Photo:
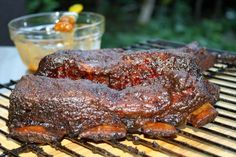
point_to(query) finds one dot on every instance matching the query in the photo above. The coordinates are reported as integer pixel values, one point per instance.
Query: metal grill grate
(215, 139)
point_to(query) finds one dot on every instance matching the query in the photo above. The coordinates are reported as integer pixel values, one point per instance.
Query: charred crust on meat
(78, 106)
(118, 68)
(105, 94)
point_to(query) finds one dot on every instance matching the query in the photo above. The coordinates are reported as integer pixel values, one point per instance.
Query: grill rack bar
(218, 133)
(229, 94)
(20, 149)
(154, 145)
(7, 152)
(226, 116)
(7, 97)
(64, 149)
(224, 125)
(163, 44)
(221, 85)
(222, 79)
(220, 71)
(38, 150)
(226, 100)
(193, 136)
(7, 85)
(223, 71)
(184, 144)
(91, 147)
(34, 148)
(226, 109)
(4, 86)
(2, 106)
(128, 149)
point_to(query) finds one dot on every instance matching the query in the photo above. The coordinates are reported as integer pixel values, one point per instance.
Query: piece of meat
(120, 69)
(207, 59)
(37, 133)
(104, 132)
(226, 58)
(64, 106)
(203, 115)
(45, 109)
(159, 129)
(115, 67)
(204, 59)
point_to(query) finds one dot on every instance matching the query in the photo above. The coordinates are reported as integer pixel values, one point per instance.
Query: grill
(215, 139)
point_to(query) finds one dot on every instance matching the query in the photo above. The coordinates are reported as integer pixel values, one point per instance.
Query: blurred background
(210, 22)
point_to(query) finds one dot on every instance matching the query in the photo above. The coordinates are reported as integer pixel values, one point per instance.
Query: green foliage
(177, 25)
(208, 33)
(41, 5)
(171, 20)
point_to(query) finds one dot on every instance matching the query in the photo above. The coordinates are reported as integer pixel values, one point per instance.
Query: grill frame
(219, 70)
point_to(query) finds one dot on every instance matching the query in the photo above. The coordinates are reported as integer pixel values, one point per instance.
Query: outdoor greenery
(212, 23)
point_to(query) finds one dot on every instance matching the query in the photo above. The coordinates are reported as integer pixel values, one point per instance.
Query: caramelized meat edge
(44, 109)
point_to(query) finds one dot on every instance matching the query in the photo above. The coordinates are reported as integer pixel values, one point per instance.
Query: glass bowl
(34, 36)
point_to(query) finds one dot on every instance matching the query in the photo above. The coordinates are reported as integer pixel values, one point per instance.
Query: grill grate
(215, 139)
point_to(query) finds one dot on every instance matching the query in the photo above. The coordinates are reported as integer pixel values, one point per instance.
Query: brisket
(115, 67)
(45, 109)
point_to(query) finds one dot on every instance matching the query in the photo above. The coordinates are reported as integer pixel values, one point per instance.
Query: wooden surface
(209, 147)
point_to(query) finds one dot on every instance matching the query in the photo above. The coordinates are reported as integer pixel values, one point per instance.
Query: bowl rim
(12, 28)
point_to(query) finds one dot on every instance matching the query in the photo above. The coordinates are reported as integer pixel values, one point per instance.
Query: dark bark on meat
(226, 58)
(118, 68)
(204, 59)
(45, 109)
(150, 92)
